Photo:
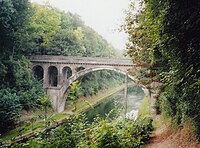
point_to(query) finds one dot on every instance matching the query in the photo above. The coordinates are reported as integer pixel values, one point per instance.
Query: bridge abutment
(57, 99)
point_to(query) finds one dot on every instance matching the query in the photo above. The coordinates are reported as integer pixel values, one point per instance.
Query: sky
(104, 16)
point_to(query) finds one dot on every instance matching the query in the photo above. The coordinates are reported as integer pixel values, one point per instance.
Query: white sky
(104, 16)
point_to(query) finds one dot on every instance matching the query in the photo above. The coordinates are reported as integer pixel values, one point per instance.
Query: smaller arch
(53, 76)
(79, 68)
(38, 72)
(67, 72)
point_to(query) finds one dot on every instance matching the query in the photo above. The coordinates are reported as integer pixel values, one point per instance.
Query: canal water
(115, 104)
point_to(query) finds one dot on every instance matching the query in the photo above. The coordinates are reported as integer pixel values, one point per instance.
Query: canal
(116, 103)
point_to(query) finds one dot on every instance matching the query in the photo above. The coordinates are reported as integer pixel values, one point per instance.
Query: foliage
(9, 109)
(28, 89)
(22, 93)
(18, 89)
(99, 80)
(13, 17)
(44, 104)
(65, 42)
(165, 34)
(74, 92)
(76, 132)
(43, 24)
(144, 109)
(53, 32)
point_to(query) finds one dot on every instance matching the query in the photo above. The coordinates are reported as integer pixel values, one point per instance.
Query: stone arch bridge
(58, 72)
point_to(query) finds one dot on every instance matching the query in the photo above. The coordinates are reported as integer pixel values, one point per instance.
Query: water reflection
(116, 102)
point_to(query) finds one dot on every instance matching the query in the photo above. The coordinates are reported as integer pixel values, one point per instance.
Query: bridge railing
(70, 59)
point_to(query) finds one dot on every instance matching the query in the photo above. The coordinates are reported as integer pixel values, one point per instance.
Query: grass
(59, 116)
(158, 120)
(28, 128)
(9, 135)
(144, 109)
(15, 132)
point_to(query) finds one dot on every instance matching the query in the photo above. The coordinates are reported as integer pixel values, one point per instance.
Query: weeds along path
(165, 137)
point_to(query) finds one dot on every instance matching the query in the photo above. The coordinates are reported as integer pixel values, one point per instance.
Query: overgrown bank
(164, 39)
(35, 123)
(103, 132)
(165, 136)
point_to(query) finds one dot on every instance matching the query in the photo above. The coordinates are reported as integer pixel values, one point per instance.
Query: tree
(65, 42)
(44, 23)
(17, 88)
(74, 92)
(164, 34)
(13, 17)
(44, 103)
(9, 109)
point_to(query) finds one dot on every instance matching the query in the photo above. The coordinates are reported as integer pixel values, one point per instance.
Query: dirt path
(164, 137)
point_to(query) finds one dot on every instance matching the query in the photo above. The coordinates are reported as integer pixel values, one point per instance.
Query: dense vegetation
(99, 80)
(17, 88)
(53, 32)
(164, 36)
(107, 133)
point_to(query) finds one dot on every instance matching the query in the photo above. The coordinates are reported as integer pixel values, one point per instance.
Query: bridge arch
(86, 71)
(61, 105)
(53, 76)
(67, 72)
(38, 72)
(59, 100)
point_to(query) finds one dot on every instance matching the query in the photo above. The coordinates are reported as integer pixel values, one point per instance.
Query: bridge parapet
(81, 60)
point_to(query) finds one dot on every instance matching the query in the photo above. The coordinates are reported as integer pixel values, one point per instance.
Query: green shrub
(9, 109)
(102, 133)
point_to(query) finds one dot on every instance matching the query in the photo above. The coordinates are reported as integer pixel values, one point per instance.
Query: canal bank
(84, 104)
(58, 119)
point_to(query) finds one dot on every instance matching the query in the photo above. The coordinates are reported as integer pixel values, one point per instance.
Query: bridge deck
(81, 60)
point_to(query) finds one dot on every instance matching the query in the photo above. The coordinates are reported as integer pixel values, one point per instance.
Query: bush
(28, 89)
(9, 109)
(107, 133)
